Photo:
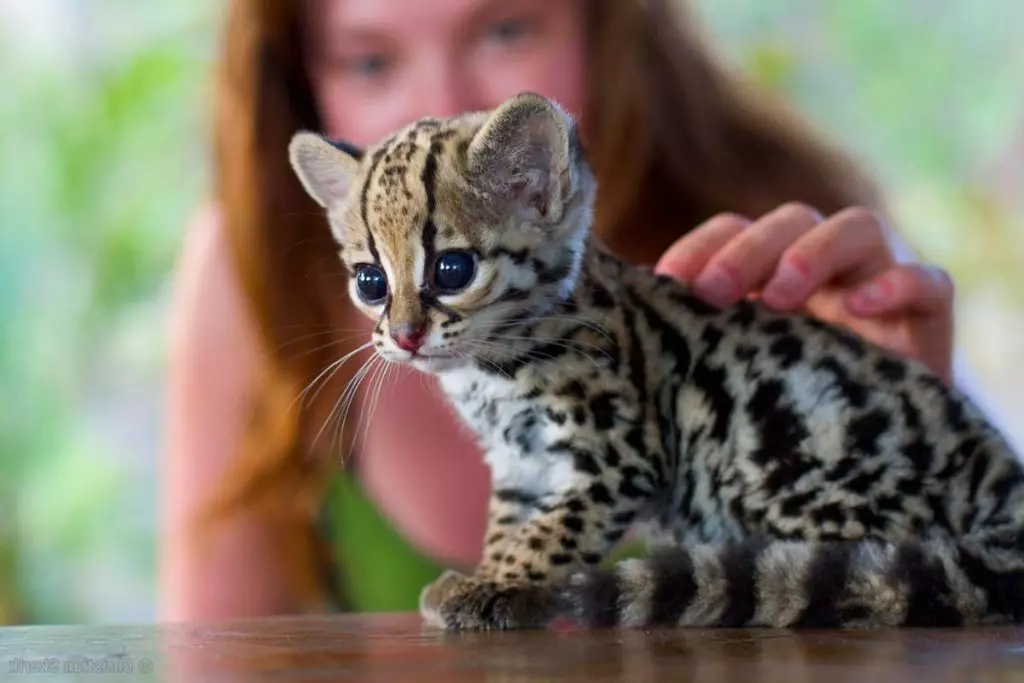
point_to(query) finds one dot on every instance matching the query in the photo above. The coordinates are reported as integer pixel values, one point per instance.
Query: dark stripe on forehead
(364, 200)
(429, 178)
(429, 235)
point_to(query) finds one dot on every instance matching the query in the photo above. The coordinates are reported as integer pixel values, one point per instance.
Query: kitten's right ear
(327, 170)
(524, 156)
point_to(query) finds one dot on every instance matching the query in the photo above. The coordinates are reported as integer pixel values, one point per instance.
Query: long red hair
(673, 140)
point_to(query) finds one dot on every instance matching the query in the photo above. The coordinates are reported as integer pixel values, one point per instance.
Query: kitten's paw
(435, 594)
(460, 603)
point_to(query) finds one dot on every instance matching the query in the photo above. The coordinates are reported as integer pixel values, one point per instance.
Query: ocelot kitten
(795, 475)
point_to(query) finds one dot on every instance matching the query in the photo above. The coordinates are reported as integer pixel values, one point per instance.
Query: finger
(749, 259)
(848, 247)
(686, 258)
(907, 288)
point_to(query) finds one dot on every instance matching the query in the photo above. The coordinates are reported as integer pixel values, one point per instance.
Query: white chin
(438, 364)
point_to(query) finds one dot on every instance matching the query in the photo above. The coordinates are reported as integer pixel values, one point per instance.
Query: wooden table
(398, 648)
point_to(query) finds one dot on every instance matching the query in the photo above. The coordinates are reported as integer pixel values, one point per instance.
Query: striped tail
(800, 584)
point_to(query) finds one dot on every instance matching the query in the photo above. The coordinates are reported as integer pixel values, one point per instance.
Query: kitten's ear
(326, 169)
(523, 154)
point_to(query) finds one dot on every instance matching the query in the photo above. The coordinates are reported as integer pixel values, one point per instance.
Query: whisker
(336, 366)
(381, 381)
(353, 395)
(331, 368)
(568, 345)
(321, 347)
(489, 345)
(350, 389)
(323, 333)
(585, 322)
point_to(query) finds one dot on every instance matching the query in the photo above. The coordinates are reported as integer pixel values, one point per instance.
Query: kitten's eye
(454, 270)
(371, 284)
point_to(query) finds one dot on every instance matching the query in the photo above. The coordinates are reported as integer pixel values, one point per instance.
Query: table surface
(399, 648)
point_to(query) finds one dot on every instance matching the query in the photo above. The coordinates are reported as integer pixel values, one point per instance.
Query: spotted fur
(793, 474)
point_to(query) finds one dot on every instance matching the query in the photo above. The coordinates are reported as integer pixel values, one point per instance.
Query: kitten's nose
(409, 337)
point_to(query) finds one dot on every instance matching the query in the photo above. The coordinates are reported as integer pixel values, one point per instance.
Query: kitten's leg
(505, 514)
(518, 585)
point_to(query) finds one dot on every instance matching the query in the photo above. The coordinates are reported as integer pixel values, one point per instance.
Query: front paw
(457, 602)
(436, 594)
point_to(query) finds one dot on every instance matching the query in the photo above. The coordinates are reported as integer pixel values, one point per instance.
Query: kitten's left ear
(524, 154)
(327, 170)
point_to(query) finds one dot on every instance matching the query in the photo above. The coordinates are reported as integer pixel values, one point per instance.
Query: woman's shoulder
(208, 315)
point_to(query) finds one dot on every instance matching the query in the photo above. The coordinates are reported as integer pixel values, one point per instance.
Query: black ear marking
(327, 169)
(346, 147)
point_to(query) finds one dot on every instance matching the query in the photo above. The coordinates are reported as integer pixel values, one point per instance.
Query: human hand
(839, 269)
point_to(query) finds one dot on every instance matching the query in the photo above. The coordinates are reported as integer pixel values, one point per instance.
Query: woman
(719, 187)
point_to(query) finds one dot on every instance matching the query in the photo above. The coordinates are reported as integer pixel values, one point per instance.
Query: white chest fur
(515, 431)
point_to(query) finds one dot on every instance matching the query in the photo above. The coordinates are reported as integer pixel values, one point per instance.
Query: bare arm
(212, 365)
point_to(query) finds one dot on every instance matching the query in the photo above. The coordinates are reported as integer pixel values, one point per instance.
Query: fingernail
(786, 287)
(873, 294)
(716, 286)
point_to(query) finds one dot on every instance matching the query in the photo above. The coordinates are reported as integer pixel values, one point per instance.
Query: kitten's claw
(456, 602)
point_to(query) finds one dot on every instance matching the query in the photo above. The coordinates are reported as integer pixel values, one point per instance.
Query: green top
(378, 569)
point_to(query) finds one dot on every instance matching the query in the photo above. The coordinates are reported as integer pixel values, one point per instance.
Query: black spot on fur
(629, 489)
(746, 352)
(517, 496)
(602, 409)
(777, 327)
(854, 393)
(600, 297)
(712, 382)
(575, 505)
(795, 504)
(582, 459)
(574, 524)
(623, 518)
(781, 434)
(743, 314)
(712, 337)
(579, 415)
(920, 454)
(788, 349)
(891, 370)
(573, 389)
(599, 494)
(865, 431)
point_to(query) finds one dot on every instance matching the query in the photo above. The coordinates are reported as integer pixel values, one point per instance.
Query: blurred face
(377, 65)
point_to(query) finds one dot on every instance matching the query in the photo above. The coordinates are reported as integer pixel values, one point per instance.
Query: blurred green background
(104, 155)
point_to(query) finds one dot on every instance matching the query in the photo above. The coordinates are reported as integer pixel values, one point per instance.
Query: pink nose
(408, 337)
